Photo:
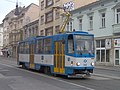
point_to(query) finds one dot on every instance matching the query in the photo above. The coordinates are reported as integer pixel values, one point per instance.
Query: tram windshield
(84, 44)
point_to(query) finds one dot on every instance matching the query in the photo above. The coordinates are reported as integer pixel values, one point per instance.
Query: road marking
(81, 86)
(3, 70)
(99, 78)
(43, 75)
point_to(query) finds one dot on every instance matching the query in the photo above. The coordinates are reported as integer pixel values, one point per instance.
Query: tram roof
(66, 33)
(60, 34)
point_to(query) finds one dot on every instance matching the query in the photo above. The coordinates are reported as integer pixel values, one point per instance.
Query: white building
(102, 18)
(1, 38)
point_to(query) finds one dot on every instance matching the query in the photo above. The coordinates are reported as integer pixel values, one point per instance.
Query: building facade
(1, 38)
(6, 31)
(102, 19)
(31, 29)
(21, 16)
(50, 20)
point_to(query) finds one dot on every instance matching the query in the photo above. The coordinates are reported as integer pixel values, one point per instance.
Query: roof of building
(18, 11)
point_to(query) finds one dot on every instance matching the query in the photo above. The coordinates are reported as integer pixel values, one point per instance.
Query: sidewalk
(10, 60)
(112, 68)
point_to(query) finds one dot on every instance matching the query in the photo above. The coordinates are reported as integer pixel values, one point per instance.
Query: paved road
(13, 78)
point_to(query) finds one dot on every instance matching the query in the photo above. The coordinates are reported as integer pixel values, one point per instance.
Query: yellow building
(50, 20)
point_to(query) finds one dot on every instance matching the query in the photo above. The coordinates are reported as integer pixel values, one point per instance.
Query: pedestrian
(7, 54)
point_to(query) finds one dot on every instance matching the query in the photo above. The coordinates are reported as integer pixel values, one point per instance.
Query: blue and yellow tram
(67, 54)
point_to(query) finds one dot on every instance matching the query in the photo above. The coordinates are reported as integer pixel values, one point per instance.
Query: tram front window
(84, 44)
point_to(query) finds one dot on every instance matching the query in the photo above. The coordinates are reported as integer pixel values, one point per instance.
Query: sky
(7, 5)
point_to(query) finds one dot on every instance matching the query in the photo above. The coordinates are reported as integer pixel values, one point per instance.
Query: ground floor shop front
(107, 51)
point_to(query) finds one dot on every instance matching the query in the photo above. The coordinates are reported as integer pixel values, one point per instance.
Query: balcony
(116, 28)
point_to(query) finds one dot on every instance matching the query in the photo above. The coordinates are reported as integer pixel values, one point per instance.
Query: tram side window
(47, 45)
(26, 50)
(22, 48)
(39, 47)
(70, 44)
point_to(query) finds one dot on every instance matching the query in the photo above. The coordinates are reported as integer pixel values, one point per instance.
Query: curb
(107, 68)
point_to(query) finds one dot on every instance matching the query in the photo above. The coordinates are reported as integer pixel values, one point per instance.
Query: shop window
(102, 55)
(98, 55)
(98, 44)
(107, 55)
(103, 43)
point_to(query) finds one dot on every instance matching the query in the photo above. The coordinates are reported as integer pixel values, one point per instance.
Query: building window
(57, 0)
(98, 55)
(42, 19)
(49, 3)
(103, 43)
(118, 15)
(57, 14)
(36, 30)
(30, 32)
(69, 26)
(107, 55)
(49, 31)
(49, 16)
(102, 54)
(33, 31)
(57, 29)
(103, 20)
(21, 21)
(42, 5)
(90, 22)
(80, 23)
(42, 32)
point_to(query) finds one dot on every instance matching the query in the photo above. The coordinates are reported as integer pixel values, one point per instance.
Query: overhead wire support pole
(67, 14)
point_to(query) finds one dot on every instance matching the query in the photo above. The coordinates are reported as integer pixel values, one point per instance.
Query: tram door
(59, 57)
(32, 65)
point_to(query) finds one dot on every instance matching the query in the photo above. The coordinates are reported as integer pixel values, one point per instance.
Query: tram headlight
(92, 63)
(78, 64)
